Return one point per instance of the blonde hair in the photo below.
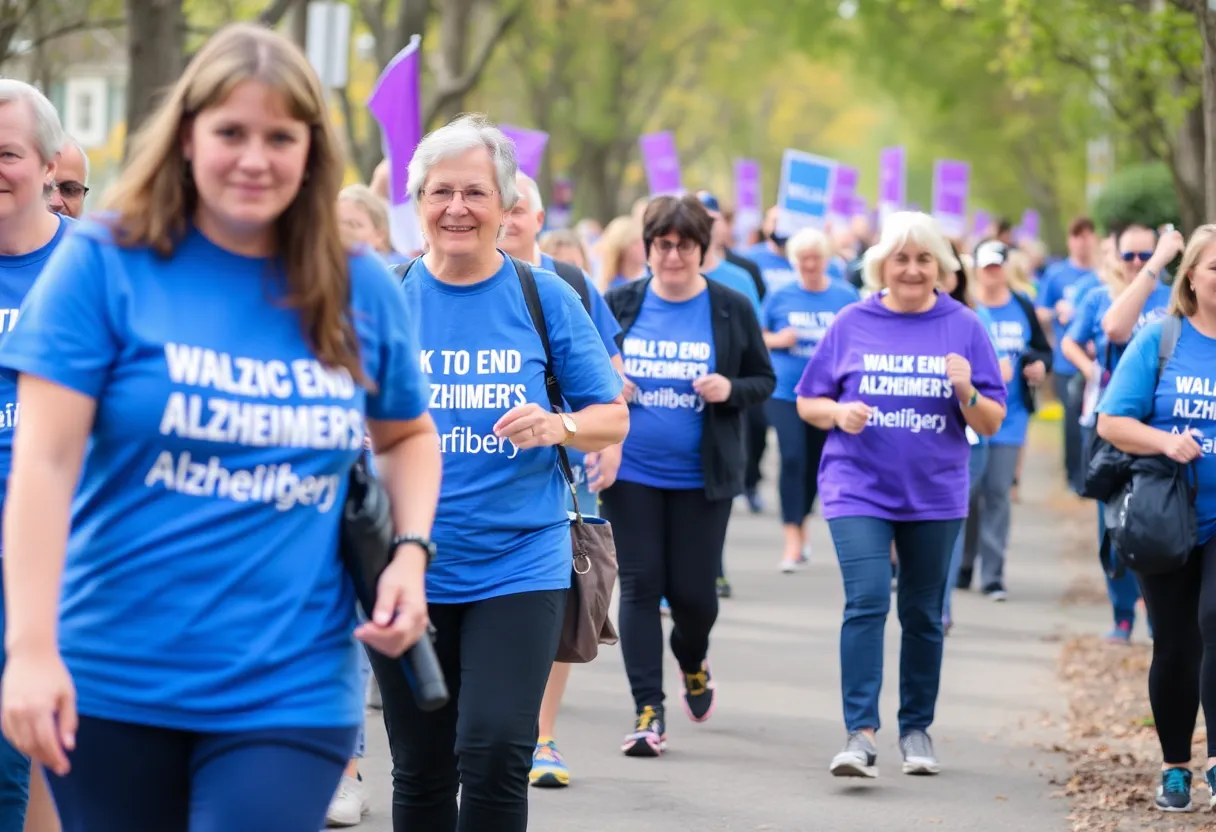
(553, 241)
(155, 197)
(901, 228)
(375, 207)
(1183, 301)
(1017, 272)
(619, 235)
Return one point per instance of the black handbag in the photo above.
(365, 546)
(1154, 527)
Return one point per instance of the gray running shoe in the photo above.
(858, 759)
(918, 754)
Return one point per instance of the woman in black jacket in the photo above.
(695, 360)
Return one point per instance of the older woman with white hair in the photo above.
(794, 319)
(896, 381)
(497, 586)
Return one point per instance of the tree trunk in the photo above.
(155, 45)
(1207, 26)
(297, 24)
(1187, 165)
(455, 21)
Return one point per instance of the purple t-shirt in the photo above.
(910, 461)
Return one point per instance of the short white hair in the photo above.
(468, 132)
(808, 238)
(898, 230)
(48, 131)
(69, 141)
(530, 191)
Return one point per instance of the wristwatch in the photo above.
(422, 543)
(570, 425)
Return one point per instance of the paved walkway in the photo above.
(761, 762)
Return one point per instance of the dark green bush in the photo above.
(1139, 193)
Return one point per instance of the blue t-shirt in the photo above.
(1063, 281)
(1087, 326)
(775, 268)
(608, 328)
(811, 313)
(669, 346)
(1184, 398)
(202, 590)
(728, 274)
(17, 275)
(1010, 331)
(502, 526)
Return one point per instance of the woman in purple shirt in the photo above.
(896, 381)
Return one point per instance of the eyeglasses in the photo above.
(473, 196)
(1142, 256)
(684, 246)
(71, 190)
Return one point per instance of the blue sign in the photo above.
(805, 193)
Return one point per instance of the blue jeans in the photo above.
(975, 469)
(1123, 592)
(863, 547)
(14, 766)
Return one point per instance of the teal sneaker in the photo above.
(548, 768)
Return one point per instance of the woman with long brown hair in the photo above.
(200, 367)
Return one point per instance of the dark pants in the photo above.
(801, 447)
(755, 431)
(1182, 610)
(1072, 396)
(128, 777)
(496, 656)
(668, 544)
(14, 766)
(863, 547)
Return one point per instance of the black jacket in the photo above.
(751, 268)
(1039, 349)
(740, 355)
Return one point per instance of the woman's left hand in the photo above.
(400, 618)
(1035, 372)
(530, 426)
(714, 388)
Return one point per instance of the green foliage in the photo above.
(1140, 193)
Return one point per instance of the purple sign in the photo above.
(1030, 224)
(951, 183)
(844, 190)
(662, 163)
(892, 175)
(861, 206)
(982, 221)
(394, 103)
(529, 147)
(747, 185)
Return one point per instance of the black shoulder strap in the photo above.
(403, 269)
(527, 282)
(1171, 331)
(573, 275)
(1027, 307)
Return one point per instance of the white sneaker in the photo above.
(788, 566)
(373, 694)
(349, 804)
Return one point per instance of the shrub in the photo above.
(1139, 193)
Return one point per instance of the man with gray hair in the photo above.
(32, 136)
(71, 180)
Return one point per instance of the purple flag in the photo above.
(749, 213)
(394, 103)
(951, 182)
(844, 189)
(982, 221)
(1030, 224)
(662, 163)
(529, 147)
(892, 167)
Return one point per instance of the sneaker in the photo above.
(548, 768)
(754, 502)
(349, 803)
(790, 566)
(805, 555)
(1122, 634)
(995, 592)
(664, 607)
(374, 699)
(724, 588)
(1174, 793)
(1210, 777)
(919, 758)
(649, 737)
(859, 758)
(964, 578)
(699, 693)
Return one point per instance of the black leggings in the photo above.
(801, 447)
(668, 544)
(756, 441)
(496, 656)
(1182, 609)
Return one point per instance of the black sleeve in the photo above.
(756, 379)
(751, 268)
(1039, 348)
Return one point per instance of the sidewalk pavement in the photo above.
(761, 762)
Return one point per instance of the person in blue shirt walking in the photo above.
(1174, 415)
(32, 136)
(694, 361)
(1146, 258)
(201, 366)
(794, 320)
(1096, 355)
(1019, 338)
(1062, 286)
(497, 588)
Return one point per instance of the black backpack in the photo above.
(568, 272)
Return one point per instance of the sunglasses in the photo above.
(1142, 256)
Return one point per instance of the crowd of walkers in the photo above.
(200, 364)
